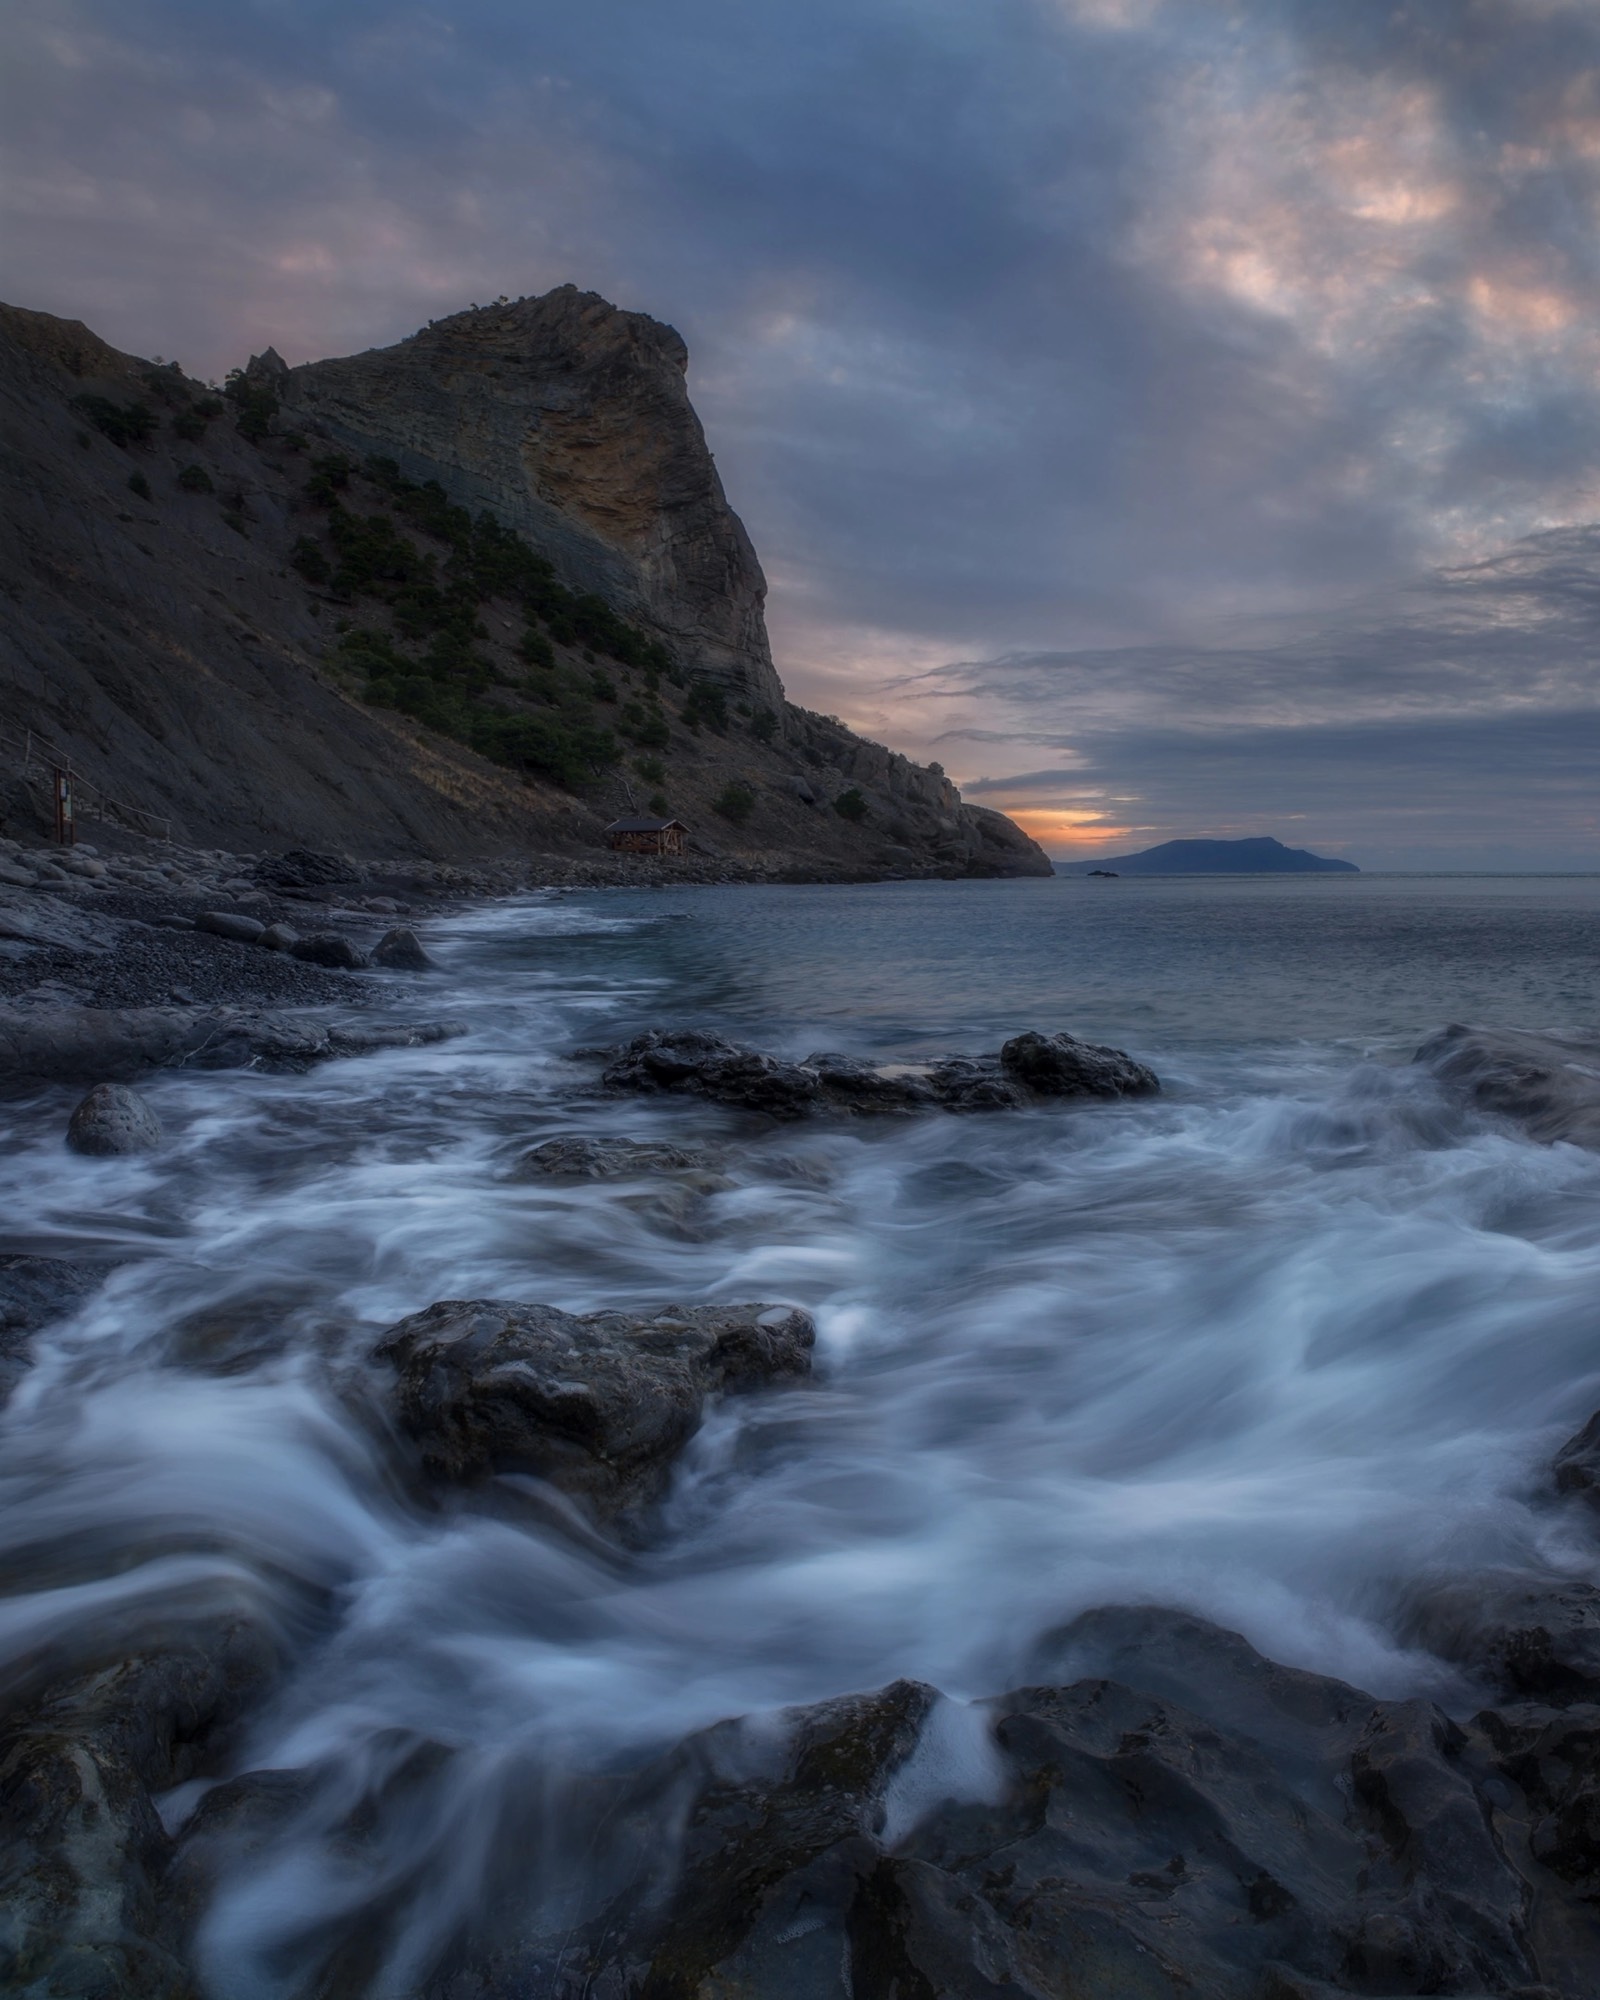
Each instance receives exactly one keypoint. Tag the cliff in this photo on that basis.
(467, 597)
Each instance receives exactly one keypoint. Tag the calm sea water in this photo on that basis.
(1285, 1345)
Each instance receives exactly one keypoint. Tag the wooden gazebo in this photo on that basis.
(646, 836)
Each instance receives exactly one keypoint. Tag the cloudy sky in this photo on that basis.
(1132, 400)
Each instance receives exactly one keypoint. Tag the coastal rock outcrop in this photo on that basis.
(1179, 1818)
(570, 421)
(1549, 1084)
(598, 1404)
(82, 1044)
(1029, 1068)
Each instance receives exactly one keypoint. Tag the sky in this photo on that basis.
(1142, 406)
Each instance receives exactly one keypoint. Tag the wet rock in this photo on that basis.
(1062, 1066)
(75, 1044)
(34, 1291)
(1037, 1067)
(1533, 1637)
(329, 948)
(279, 937)
(225, 924)
(113, 1119)
(1577, 1463)
(867, 1087)
(1289, 1838)
(702, 1064)
(575, 1157)
(301, 868)
(599, 1405)
(1547, 1084)
(82, 1847)
(400, 950)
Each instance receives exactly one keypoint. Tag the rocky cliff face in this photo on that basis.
(571, 422)
(465, 598)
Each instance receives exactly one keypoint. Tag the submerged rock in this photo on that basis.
(1548, 1084)
(113, 1119)
(1029, 1068)
(599, 1405)
(572, 1156)
(33, 1292)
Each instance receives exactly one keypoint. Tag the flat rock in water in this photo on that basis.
(1030, 1069)
(34, 1291)
(599, 1405)
(575, 1157)
(113, 1119)
(1548, 1083)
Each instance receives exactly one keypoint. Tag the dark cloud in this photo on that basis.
(1020, 330)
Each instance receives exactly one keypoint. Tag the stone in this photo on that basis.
(302, 868)
(1532, 1636)
(1062, 1066)
(400, 950)
(83, 1852)
(78, 1044)
(576, 1157)
(598, 1404)
(17, 878)
(695, 1061)
(1201, 1825)
(34, 1291)
(279, 937)
(113, 1119)
(225, 924)
(1548, 1084)
(330, 949)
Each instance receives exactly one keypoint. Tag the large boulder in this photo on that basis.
(400, 950)
(1531, 1636)
(330, 949)
(113, 1119)
(1549, 1084)
(1062, 1066)
(702, 1064)
(598, 1404)
(301, 868)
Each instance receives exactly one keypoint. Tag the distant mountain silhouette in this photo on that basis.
(1261, 856)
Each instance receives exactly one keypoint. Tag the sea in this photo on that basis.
(1285, 1346)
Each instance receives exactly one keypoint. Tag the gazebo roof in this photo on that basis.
(643, 825)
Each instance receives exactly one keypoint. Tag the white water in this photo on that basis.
(1276, 1347)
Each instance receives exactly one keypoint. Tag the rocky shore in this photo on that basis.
(1157, 1811)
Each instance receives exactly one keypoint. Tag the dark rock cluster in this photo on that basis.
(1029, 1069)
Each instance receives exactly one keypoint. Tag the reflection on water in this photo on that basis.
(1273, 1346)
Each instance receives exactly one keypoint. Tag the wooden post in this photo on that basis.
(63, 789)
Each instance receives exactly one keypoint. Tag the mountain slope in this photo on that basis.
(233, 622)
